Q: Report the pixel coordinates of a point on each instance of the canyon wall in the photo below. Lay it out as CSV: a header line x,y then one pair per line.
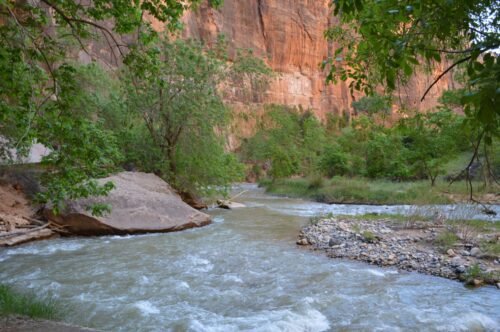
x,y
289,35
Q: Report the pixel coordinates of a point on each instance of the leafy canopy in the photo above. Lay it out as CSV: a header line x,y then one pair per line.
x,y
43,96
382,42
175,93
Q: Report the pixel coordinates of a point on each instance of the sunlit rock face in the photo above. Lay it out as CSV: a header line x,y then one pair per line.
x,y
289,35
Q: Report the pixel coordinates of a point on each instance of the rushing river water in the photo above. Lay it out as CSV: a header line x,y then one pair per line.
x,y
242,273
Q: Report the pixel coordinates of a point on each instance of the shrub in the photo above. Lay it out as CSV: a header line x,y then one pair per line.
x,y
369,236
334,161
316,182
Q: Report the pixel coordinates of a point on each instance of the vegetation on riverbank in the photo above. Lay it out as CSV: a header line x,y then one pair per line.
x,y
13,302
366,191
421,158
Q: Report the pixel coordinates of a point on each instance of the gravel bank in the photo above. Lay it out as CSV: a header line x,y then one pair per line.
x,y
411,245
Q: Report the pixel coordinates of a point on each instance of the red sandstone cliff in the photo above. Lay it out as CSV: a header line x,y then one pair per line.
x,y
289,34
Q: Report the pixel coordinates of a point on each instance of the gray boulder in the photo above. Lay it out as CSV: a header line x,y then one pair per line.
x,y
140,203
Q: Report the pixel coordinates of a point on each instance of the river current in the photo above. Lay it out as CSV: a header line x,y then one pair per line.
x,y
242,273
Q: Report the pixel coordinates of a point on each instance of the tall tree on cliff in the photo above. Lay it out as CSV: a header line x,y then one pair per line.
x,y
39,85
382,42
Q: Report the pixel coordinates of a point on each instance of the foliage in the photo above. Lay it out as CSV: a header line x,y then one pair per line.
x,y
334,161
290,139
431,140
15,303
382,42
43,96
418,146
250,75
369,236
81,149
175,93
446,240
372,105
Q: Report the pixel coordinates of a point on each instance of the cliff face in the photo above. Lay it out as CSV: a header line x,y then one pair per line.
x,y
289,35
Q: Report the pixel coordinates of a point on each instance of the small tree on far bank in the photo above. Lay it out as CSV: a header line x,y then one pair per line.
x,y
429,142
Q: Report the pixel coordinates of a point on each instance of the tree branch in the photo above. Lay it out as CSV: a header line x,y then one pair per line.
x,y
71,20
444,73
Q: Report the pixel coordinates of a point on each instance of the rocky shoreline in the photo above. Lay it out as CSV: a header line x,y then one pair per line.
x,y
410,245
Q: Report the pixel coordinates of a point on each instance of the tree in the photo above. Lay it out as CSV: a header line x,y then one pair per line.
x,y
176,94
430,142
40,88
382,42
373,105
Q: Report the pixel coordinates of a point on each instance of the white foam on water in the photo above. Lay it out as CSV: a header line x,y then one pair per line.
x,y
472,321
218,220
375,272
183,285
144,280
288,320
121,237
199,264
310,320
232,278
147,308
33,249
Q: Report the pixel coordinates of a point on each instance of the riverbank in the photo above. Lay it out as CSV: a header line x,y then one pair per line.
x,y
24,311
24,324
18,221
341,190
468,251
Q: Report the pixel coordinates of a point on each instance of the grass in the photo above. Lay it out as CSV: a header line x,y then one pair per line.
x,y
367,191
13,302
491,248
446,240
368,237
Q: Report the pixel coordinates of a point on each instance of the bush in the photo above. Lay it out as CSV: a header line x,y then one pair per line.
x,y
369,236
316,182
334,161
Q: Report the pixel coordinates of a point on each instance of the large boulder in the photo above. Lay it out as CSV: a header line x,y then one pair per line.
x,y
140,203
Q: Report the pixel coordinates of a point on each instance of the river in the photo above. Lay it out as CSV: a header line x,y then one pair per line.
x,y
242,273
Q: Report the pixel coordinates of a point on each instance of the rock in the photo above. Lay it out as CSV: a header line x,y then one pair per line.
x,y
334,241
457,261
302,242
477,282
465,253
228,205
192,200
140,203
475,252
290,35
450,252
460,269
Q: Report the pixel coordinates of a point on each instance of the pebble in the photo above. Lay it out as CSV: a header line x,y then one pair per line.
x,y
302,242
475,252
